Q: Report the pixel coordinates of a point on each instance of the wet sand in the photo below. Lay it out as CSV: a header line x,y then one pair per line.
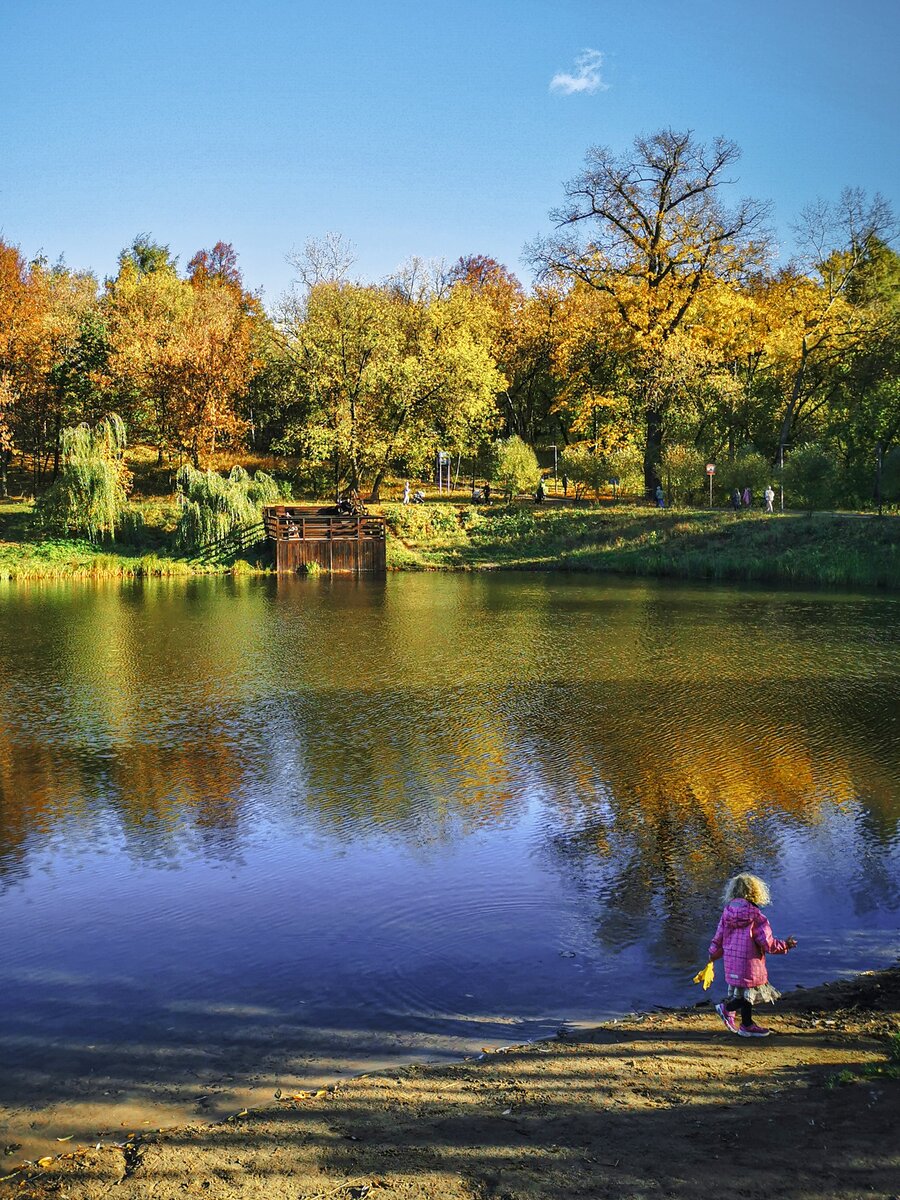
x,y
664,1104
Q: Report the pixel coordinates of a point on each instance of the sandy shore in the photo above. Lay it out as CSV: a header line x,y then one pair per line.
x,y
664,1104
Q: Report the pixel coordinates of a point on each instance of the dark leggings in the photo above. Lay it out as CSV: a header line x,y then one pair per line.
x,y
744,1005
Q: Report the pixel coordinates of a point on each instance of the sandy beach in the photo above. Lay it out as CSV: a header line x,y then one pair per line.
x,y
660,1104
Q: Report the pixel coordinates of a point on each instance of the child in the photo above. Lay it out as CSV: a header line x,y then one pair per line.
x,y
744,936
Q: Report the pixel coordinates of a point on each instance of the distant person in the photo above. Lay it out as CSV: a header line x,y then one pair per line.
x,y
660,496
539,494
486,492
743,938
736,500
406,492
769,495
748,498
565,483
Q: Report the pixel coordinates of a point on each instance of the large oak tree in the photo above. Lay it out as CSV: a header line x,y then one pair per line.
x,y
649,231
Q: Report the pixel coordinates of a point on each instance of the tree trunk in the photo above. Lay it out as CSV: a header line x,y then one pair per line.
x,y
652,449
56,446
4,463
376,485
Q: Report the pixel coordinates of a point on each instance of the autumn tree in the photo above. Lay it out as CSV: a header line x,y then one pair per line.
x,y
650,233
520,330
183,350
827,311
382,376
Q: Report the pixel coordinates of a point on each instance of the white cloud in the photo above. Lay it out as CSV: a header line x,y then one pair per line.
x,y
586,77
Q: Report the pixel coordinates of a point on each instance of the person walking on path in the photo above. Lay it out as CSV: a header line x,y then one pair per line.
x,y
659,496
736,500
743,938
406,492
539,494
769,495
565,483
748,498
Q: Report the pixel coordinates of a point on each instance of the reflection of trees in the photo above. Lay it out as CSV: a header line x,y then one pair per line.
x,y
403,761
152,793
439,706
665,792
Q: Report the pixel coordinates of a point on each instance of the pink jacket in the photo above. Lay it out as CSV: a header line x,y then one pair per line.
x,y
744,937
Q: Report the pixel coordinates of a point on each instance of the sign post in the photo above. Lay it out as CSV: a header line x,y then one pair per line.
x,y
710,470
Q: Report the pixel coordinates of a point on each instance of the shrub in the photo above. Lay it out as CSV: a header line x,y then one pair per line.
x,y
590,470
811,477
415,522
516,467
749,469
683,470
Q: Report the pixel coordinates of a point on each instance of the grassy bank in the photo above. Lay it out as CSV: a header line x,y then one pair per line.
x,y
822,549
819,549
24,554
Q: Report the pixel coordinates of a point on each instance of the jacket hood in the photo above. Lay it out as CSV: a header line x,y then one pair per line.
x,y
739,913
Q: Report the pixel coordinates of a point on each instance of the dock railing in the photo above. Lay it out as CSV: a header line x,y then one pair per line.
x,y
304,534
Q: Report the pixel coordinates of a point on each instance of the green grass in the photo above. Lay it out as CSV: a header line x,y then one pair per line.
x,y
25,554
890,1069
822,549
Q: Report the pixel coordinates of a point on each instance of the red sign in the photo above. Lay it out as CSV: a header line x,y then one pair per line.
x,y
710,468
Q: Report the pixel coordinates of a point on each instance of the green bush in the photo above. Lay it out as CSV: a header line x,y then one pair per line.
x,y
749,469
683,472
515,468
418,522
811,478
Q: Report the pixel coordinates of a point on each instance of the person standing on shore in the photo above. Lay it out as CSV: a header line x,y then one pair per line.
x,y
743,938
769,495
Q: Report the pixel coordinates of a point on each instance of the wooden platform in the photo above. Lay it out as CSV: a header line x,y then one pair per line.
x,y
305,534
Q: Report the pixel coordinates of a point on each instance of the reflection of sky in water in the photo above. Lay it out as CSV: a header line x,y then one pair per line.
x,y
406,806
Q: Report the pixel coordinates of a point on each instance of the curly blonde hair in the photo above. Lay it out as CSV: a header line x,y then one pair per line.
x,y
746,887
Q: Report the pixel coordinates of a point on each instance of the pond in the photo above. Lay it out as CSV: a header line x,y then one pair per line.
x,y
259,831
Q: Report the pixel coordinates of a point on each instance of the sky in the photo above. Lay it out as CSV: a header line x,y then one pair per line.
x,y
412,127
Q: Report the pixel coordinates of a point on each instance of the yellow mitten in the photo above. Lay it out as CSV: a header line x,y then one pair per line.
x,y
705,976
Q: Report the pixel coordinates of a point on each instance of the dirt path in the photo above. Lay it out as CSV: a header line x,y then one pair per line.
x,y
664,1105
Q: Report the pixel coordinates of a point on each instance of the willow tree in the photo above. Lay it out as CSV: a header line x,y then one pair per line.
x,y
213,506
648,231
90,495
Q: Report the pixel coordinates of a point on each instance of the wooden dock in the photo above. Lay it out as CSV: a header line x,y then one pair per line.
x,y
303,534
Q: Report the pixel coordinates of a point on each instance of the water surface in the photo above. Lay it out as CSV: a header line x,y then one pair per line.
x,y
252,830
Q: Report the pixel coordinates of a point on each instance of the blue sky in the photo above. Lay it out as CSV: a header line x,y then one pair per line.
x,y
412,127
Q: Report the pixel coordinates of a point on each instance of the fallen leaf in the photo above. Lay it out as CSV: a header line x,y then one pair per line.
x,y
46,1161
